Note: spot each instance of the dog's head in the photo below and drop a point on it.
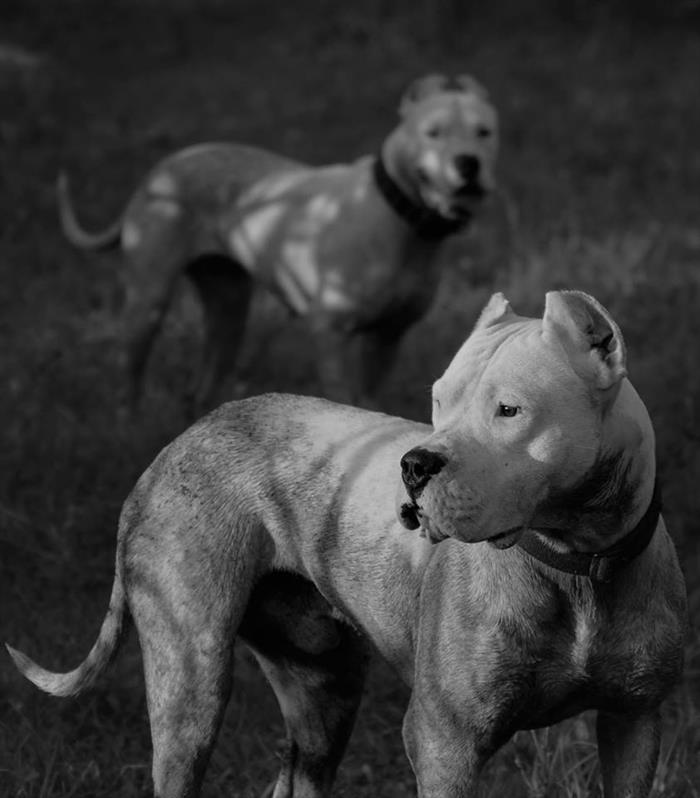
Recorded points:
(448, 140)
(533, 422)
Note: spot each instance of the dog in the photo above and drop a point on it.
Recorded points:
(509, 561)
(350, 247)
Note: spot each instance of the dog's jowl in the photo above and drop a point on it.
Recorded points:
(351, 247)
(509, 561)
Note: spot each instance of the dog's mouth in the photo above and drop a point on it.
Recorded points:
(466, 198)
(470, 190)
(459, 203)
(412, 517)
(409, 515)
(448, 201)
(504, 540)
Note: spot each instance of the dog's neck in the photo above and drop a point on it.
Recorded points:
(402, 198)
(600, 565)
(592, 513)
(616, 505)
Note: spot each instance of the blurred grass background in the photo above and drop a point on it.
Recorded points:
(600, 163)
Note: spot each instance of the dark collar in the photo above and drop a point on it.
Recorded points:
(602, 565)
(426, 223)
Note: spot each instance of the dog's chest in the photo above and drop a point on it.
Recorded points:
(331, 251)
(582, 639)
(599, 659)
(564, 652)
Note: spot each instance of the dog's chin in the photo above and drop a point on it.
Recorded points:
(470, 191)
(457, 211)
(444, 203)
(504, 540)
(412, 517)
(466, 199)
(459, 205)
(432, 533)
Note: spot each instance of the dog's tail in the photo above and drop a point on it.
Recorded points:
(102, 653)
(97, 242)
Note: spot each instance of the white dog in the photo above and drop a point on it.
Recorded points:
(542, 581)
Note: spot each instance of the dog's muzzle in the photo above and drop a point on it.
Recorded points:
(418, 465)
(468, 167)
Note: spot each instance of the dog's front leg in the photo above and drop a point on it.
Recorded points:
(378, 350)
(628, 746)
(442, 749)
(336, 362)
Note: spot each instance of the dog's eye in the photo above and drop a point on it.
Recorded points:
(508, 411)
(483, 132)
(433, 131)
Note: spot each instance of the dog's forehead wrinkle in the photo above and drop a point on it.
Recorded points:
(491, 338)
(490, 344)
(516, 367)
(439, 116)
(471, 116)
(477, 110)
(459, 106)
(475, 358)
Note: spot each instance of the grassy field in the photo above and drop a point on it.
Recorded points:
(601, 164)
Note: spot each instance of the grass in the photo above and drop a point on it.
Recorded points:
(600, 167)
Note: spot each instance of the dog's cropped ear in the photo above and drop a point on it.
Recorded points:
(497, 309)
(584, 326)
(470, 85)
(421, 88)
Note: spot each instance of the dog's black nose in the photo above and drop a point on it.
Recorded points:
(417, 466)
(468, 167)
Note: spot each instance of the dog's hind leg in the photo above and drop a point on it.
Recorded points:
(155, 253)
(316, 664)
(188, 587)
(188, 685)
(225, 289)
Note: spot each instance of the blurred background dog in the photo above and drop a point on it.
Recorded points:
(351, 247)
